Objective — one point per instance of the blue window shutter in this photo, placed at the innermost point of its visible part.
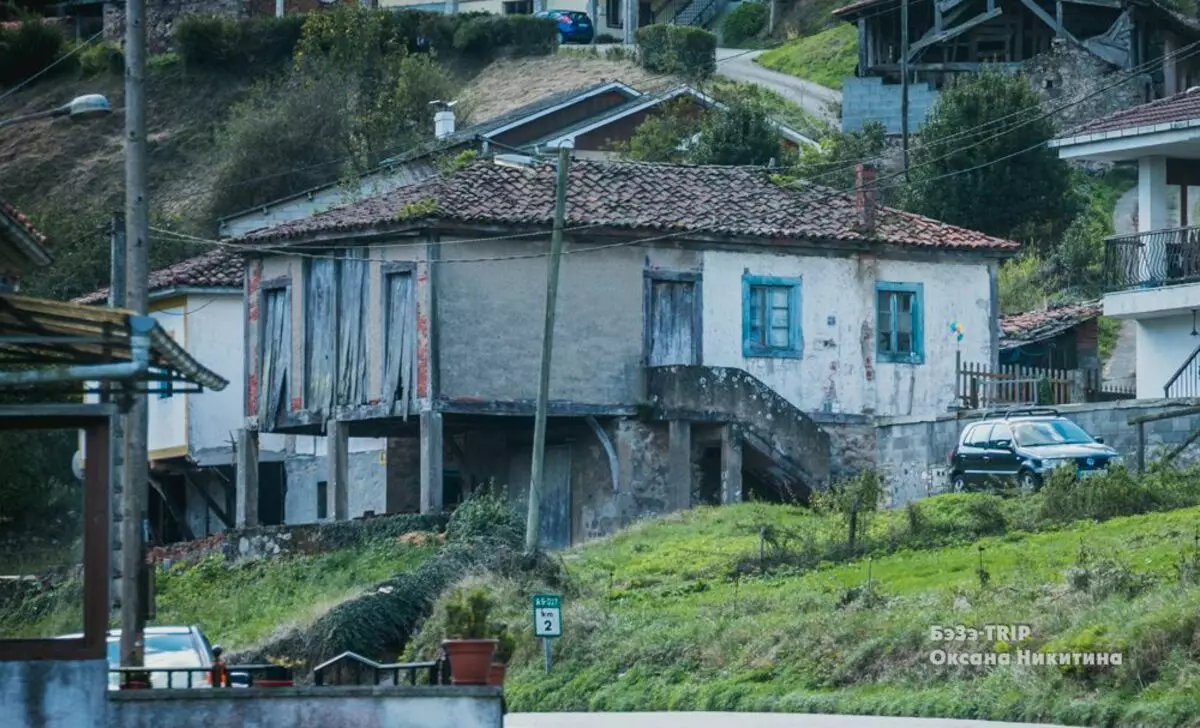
(894, 292)
(918, 327)
(758, 305)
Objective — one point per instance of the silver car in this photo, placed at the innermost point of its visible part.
(166, 647)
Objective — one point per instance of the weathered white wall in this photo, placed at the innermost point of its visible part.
(215, 325)
(1163, 345)
(168, 416)
(838, 370)
(54, 694)
(423, 707)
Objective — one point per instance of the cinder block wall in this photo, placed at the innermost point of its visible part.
(870, 99)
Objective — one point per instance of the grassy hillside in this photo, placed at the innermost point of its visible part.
(826, 58)
(240, 605)
(758, 608)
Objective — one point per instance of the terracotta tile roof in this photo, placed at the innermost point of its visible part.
(854, 7)
(15, 215)
(1026, 328)
(735, 201)
(1180, 107)
(219, 268)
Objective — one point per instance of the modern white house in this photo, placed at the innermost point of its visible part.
(1154, 274)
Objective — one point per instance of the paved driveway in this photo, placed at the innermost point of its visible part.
(736, 720)
(739, 65)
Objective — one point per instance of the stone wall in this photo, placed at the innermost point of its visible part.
(161, 16)
(310, 538)
(852, 444)
(1068, 73)
(913, 454)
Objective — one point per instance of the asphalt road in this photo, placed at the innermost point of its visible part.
(737, 720)
(739, 65)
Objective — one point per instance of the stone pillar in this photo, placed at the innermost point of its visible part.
(431, 462)
(337, 441)
(247, 478)
(680, 464)
(403, 475)
(1153, 214)
(731, 465)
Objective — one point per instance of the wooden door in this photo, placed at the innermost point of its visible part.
(672, 322)
(555, 530)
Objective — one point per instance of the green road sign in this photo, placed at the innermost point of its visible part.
(547, 616)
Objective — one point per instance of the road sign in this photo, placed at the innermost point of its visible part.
(547, 616)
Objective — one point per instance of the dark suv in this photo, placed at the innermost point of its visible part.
(1025, 445)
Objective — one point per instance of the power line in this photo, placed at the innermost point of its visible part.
(45, 70)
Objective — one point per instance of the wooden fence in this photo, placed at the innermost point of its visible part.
(980, 385)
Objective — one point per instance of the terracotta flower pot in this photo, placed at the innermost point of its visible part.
(496, 676)
(470, 660)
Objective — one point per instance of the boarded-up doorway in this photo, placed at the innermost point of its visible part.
(672, 318)
(554, 530)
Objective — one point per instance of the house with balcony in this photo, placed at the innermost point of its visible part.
(1153, 275)
(718, 334)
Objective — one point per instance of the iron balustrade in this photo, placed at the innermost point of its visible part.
(356, 667)
(187, 677)
(1185, 382)
(1155, 258)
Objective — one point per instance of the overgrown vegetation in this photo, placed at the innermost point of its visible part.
(826, 58)
(28, 48)
(743, 23)
(682, 50)
(739, 134)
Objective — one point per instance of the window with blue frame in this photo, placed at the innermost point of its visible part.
(771, 317)
(899, 322)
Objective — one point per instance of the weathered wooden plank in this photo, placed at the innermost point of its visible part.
(399, 328)
(1049, 20)
(671, 325)
(276, 354)
(320, 322)
(351, 329)
(934, 37)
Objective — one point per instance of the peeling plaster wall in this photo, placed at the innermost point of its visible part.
(308, 464)
(838, 371)
(54, 694)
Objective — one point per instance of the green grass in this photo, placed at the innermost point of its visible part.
(782, 110)
(674, 615)
(826, 58)
(239, 605)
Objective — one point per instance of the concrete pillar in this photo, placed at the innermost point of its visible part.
(1170, 71)
(337, 442)
(629, 23)
(680, 464)
(247, 478)
(403, 475)
(431, 462)
(731, 465)
(1153, 214)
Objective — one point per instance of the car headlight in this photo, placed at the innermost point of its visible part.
(1054, 463)
(1116, 460)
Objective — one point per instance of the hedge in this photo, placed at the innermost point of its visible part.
(27, 49)
(216, 42)
(678, 49)
(743, 22)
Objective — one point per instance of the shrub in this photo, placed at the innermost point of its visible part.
(530, 36)
(102, 58)
(467, 615)
(224, 43)
(27, 49)
(478, 37)
(744, 22)
(654, 48)
(695, 52)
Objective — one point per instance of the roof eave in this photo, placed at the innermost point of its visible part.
(1126, 133)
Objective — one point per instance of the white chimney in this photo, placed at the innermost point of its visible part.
(443, 123)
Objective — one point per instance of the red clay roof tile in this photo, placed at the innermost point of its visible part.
(1180, 107)
(218, 268)
(1025, 328)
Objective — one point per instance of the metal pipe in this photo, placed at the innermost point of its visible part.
(139, 363)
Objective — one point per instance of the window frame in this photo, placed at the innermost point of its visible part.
(619, 15)
(795, 347)
(917, 355)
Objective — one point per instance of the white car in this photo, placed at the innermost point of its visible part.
(166, 647)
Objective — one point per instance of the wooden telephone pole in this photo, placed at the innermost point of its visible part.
(904, 82)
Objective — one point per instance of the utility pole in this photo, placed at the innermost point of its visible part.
(904, 82)
(137, 233)
(537, 474)
(116, 299)
(771, 18)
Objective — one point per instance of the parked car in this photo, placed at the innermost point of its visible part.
(573, 26)
(1025, 446)
(166, 647)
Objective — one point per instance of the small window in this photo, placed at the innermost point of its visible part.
(771, 317)
(322, 500)
(518, 7)
(977, 436)
(899, 322)
(612, 13)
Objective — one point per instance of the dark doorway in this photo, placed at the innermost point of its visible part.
(710, 477)
(272, 493)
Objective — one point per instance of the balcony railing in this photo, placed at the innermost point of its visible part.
(1156, 258)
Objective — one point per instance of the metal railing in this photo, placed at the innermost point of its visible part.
(219, 675)
(349, 668)
(1185, 382)
(1155, 258)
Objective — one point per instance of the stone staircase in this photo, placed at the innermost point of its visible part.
(786, 447)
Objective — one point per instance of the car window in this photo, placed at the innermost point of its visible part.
(1051, 432)
(162, 650)
(977, 436)
(578, 16)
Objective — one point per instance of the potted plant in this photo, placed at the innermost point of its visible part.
(505, 645)
(468, 646)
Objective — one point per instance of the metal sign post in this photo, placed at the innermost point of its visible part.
(547, 621)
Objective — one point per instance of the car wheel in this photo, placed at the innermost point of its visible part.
(958, 483)
(1029, 481)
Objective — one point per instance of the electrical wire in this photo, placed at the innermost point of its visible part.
(45, 70)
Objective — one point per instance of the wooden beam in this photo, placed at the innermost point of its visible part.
(1058, 18)
(1115, 4)
(179, 518)
(1169, 414)
(1053, 24)
(933, 37)
(220, 513)
(960, 66)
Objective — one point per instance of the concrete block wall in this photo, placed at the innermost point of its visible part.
(912, 453)
(54, 694)
(870, 99)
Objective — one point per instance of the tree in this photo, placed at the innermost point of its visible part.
(973, 169)
(741, 134)
(660, 138)
(831, 163)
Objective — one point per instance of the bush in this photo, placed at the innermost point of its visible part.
(530, 36)
(102, 58)
(654, 48)
(679, 49)
(27, 49)
(222, 43)
(744, 22)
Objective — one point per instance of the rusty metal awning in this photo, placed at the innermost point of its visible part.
(63, 342)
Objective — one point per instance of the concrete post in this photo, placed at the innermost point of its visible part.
(247, 478)
(1077, 388)
(1153, 215)
(731, 465)
(431, 462)
(337, 438)
(680, 464)
(403, 475)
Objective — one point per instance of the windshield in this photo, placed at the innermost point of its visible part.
(162, 650)
(1051, 432)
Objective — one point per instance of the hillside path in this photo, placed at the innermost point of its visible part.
(738, 720)
(740, 65)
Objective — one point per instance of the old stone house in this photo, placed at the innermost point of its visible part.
(719, 333)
